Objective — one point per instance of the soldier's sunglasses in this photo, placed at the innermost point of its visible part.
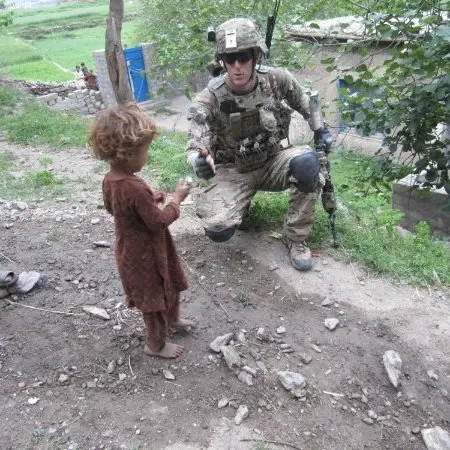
(242, 57)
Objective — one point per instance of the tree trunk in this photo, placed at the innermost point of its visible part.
(115, 61)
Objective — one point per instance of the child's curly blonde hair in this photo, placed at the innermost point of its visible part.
(117, 131)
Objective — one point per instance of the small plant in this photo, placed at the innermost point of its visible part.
(45, 161)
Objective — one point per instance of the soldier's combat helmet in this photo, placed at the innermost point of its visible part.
(237, 35)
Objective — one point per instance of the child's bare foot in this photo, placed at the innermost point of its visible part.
(169, 351)
(183, 323)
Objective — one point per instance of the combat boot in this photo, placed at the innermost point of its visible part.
(299, 253)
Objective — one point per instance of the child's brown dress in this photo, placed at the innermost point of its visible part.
(146, 257)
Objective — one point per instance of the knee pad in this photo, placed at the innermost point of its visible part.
(220, 234)
(305, 169)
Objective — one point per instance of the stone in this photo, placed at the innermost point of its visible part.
(220, 341)
(291, 380)
(25, 282)
(168, 375)
(393, 365)
(432, 374)
(222, 403)
(96, 312)
(63, 378)
(436, 438)
(245, 378)
(101, 244)
(327, 302)
(111, 366)
(331, 323)
(305, 358)
(122, 376)
(241, 414)
(262, 367)
(231, 356)
(281, 330)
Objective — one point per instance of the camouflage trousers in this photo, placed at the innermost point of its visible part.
(227, 200)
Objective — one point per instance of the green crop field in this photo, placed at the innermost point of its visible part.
(45, 44)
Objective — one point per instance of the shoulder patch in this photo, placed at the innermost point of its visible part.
(262, 69)
(216, 82)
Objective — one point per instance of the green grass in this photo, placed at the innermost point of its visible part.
(46, 44)
(167, 160)
(39, 125)
(32, 185)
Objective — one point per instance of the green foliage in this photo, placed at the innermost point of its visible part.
(167, 160)
(409, 95)
(32, 185)
(37, 124)
(5, 17)
(179, 29)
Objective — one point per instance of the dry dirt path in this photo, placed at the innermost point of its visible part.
(76, 381)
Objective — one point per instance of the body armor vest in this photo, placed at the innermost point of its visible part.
(250, 123)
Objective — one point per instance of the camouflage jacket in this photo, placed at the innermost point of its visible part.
(221, 120)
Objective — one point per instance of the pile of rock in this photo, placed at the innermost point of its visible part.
(83, 101)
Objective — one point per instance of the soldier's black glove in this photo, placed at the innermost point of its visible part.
(323, 139)
(202, 168)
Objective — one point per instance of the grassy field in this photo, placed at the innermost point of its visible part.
(45, 44)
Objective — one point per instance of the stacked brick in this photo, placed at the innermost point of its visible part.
(83, 101)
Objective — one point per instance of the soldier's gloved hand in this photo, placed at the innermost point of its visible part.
(323, 139)
(204, 166)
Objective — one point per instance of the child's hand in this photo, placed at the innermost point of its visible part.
(181, 191)
(160, 197)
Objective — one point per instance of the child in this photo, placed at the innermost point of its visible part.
(146, 258)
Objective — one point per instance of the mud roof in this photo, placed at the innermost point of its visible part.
(341, 29)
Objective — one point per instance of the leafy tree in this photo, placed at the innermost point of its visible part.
(407, 97)
(179, 28)
(5, 18)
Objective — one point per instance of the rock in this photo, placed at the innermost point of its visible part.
(122, 376)
(372, 414)
(168, 375)
(393, 365)
(252, 372)
(327, 302)
(63, 378)
(305, 358)
(231, 356)
(331, 323)
(95, 221)
(222, 403)
(436, 438)
(262, 334)
(101, 244)
(262, 367)
(25, 282)
(281, 330)
(432, 374)
(316, 348)
(368, 420)
(291, 380)
(33, 400)
(111, 366)
(241, 414)
(96, 311)
(245, 378)
(220, 341)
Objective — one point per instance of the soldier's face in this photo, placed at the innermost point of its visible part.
(240, 70)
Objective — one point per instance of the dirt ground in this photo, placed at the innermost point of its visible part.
(75, 381)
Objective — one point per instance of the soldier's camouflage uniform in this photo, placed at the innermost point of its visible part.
(243, 133)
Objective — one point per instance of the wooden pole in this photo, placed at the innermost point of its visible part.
(115, 61)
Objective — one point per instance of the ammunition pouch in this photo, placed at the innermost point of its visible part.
(252, 154)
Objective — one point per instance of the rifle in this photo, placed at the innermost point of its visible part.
(271, 25)
(322, 144)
